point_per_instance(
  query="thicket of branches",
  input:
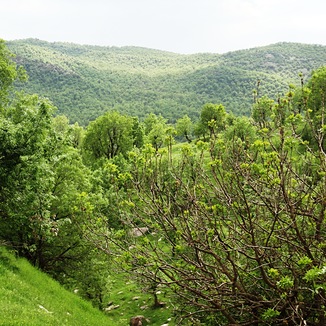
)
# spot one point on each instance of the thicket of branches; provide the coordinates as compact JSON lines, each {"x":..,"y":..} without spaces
{"x":237,"y":224}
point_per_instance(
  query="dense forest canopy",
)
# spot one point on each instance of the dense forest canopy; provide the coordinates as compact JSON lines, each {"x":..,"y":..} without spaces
{"x":225,"y":214}
{"x":86,"y":81}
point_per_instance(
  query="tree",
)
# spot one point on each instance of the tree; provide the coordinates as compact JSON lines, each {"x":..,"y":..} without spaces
{"x":239,"y":240}
{"x":262,"y":111}
{"x":8,"y":73}
{"x":314,"y":101}
{"x":157,"y":131}
{"x":25,"y":128}
{"x":151,"y":120}
{"x":43,"y":187}
{"x":184,"y":127}
{"x":157,"y":135}
{"x":137,"y":133}
{"x":109,"y":135}
{"x":243,"y":129}
{"x":212,"y":118}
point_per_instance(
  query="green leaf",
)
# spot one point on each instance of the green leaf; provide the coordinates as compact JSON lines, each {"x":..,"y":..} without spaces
{"x":270,"y":314}
{"x":285,"y":283}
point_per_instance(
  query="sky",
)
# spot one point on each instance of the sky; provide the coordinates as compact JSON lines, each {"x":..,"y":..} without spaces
{"x":180,"y":26}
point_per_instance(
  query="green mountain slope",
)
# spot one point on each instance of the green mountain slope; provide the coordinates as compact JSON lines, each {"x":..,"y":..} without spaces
{"x":29,"y":297}
{"x":85,"y":81}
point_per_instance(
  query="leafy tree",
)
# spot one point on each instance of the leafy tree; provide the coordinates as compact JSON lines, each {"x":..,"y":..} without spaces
{"x":317,"y":86}
{"x":151,"y":120}
{"x":184,"y":127}
{"x":262,"y":111}
{"x":76,"y":135}
{"x":241,"y":128}
{"x":109,"y":135}
{"x":43,"y":186}
{"x":212,"y":118}
{"x":314,"y":101}
{"x":25,"y":129}
{"x":25,"y":126}
{"x":238,"y":232}
{"x":61,"y":125}
{"x":157,"y":135}
{"x":137,"y":133}
{"x":8,"y":72}
{"x":157,"y":131}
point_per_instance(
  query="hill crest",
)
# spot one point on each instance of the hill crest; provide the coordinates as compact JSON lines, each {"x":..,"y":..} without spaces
{"x":84,"y":81}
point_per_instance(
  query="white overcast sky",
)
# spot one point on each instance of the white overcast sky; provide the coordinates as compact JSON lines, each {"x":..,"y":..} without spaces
{"x":181,"y":26}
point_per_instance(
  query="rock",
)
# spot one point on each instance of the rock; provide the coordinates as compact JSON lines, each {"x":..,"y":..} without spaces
{"x":137,"y":232}
{"x":136,"y":321}
{"x":144,"y":307}
{"x":44,"y":309}
{"x":112,"y":307}
{"x":160,"y":304}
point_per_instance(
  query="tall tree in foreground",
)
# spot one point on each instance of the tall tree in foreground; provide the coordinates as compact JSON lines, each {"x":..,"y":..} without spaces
{"x":45,"y":188}
{"x":237,"y":229}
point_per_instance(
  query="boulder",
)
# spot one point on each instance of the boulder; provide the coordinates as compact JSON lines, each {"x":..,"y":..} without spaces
{"x":136,"y":321}
{"x":137,"y":232}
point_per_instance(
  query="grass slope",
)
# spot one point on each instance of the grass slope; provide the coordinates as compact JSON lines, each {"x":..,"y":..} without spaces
{"x":30,"y":297}
{"x":85,"y":81}
{"x":129,"y":301}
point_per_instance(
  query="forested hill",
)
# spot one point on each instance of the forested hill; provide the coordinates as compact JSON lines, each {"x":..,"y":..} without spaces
{"x":85,"y":81}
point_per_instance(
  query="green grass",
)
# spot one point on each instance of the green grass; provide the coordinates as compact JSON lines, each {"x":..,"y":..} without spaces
{"x":30,"y":297}
{"x":132,"y":302}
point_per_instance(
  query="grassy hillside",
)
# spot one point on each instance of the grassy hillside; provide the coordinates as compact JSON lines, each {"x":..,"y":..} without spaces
{"x":85,"y":81}
{"x":29,"y":297}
